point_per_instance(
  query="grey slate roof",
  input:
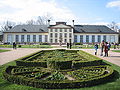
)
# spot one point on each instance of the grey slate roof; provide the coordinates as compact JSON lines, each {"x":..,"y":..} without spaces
{"x":93,"y":29}
{"x":77,"y":29}
{"x":29,"y":28}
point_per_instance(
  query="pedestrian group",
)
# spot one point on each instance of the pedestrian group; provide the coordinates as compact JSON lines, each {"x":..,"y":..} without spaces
{"x":105,"y":47}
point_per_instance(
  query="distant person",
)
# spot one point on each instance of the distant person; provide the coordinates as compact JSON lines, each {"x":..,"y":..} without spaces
{"x":106,"y":49}
{"x":102,"y":47}
{"x":14,"y":45}
{"x":96,"y":47}
{"x":67,"y":45}
{"x":70,"y":45}
{"x":109,"y":46}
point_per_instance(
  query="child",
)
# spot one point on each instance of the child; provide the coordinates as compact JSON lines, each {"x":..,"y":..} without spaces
{"x":96,"y":47}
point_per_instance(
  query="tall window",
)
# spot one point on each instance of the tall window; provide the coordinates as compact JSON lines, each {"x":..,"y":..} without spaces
{"x":51,"y":35}
{"x":55,"y":30}
{"x":56,"y":35}
{"x":46,"y":38}
{"x":60,"y":30}
{"x":9,"y":38}
{"x":40,"y":38}
{"x":17,"y":38}
{"x":87,"y":38}
{"x":81,"y":38}
{"x":28,"y":38}
{"x":51,"y":30}
{"x":93,"y":38}
{"x":65,"y":30}
{"x":99,"y":38}
{"x":55,"y":40}
{"x":60,"y":34}
{"x":75,"y":38}
{"x":70,"y":30}
{"x":65,"y":35}
{"x":70,"y":34}
{"x":104,"y":37}
{"x":34,"y":38}
{"x":22,"y":38}
{"x":51,"y":40}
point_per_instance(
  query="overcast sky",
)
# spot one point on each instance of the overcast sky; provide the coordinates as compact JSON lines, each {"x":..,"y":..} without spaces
{"x":99,"y":12}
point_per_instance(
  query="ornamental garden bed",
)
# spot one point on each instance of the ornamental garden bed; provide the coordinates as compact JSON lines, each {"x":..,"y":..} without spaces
{"x":59,"y":68}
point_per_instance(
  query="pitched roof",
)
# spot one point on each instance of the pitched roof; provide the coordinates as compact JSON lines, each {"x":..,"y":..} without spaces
{"x":29,"y":28}
{"x":93,"y":29}
{"x":77,"y":29}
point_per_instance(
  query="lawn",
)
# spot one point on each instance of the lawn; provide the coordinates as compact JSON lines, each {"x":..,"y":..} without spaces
{"x":27,"y":46}
{"x":116,"y":51}
{"x":113,"y":85}
{"x":2,"y":50}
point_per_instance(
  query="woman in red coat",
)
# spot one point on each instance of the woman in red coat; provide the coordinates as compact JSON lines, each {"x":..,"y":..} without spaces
{"x":106,"y":49}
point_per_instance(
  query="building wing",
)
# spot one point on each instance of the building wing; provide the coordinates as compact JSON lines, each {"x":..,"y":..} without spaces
{"x":29,"y":28}
{"x":93,"y":29}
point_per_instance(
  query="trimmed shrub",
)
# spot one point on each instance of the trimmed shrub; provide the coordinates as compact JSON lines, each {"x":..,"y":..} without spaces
{"x":64,"y":83}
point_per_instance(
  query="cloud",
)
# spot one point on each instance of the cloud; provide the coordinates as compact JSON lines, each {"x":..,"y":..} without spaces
{"x":114,"y":4}
{"x":23,"y":10}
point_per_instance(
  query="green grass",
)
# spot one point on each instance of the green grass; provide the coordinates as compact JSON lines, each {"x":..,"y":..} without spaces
{"x":116,"y":51}
{"x":2,"y":50}
{"x":27,"y":46}
{"x":113,"y":85}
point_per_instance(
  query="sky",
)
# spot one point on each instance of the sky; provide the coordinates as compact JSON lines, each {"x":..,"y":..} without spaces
{"x":96,"y":12}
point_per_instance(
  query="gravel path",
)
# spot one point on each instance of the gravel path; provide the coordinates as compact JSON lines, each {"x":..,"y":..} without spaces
{"x":12,"y":55}
{"x":113,"y":57}
{"x":6,"y":57}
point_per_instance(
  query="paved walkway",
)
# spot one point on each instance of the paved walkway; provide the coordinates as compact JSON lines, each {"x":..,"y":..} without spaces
{"x":12,"y":55}
{"x":113,"y":57}
{"x":20,"y":52}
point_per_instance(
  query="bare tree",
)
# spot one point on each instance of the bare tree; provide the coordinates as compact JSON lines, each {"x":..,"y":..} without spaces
{"x":7,"y":25}
{"x":40,"y":21}
{"x":113,"y":26}
{"x":30,"y":22}
{"x":43,"y":20}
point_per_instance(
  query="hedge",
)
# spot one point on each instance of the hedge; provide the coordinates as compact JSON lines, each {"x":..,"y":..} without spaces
{"x":25,"y":63}
{"x":78,"y":58}
{"x":79,"y":64}
{"x":56,"y":83}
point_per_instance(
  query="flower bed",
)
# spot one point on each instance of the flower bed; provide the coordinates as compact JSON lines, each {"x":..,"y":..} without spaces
{"x":86,"y":76}
{"x":52,"y":69}
{"x":59,"y":59}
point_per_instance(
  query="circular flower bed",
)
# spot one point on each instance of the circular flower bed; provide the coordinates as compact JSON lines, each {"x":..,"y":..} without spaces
{"x":58,"y":69}
{"x":48,"y":78}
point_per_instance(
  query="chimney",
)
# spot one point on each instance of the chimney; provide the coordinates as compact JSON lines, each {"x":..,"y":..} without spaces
{"x":73,"y":22}
{"x":48,"y":23}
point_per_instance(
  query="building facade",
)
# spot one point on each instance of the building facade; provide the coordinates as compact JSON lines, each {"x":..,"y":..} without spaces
{"x":60,"y":33}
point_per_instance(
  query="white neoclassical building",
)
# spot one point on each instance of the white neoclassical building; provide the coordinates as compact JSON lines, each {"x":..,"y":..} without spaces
{"x":60,"y":33}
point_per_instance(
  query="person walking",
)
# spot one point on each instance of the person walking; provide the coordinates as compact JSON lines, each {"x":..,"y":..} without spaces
{"x":106,"y":49}
{"x":96,"y":47}
{"x":67,"y":45}
{"x":109,"y":46}
{"x":14,"y":45}
{"x":102,"y":47}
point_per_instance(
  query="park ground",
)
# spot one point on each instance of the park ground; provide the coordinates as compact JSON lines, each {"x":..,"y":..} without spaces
{"x":8,"y":57}
{"x":13,"y":54}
